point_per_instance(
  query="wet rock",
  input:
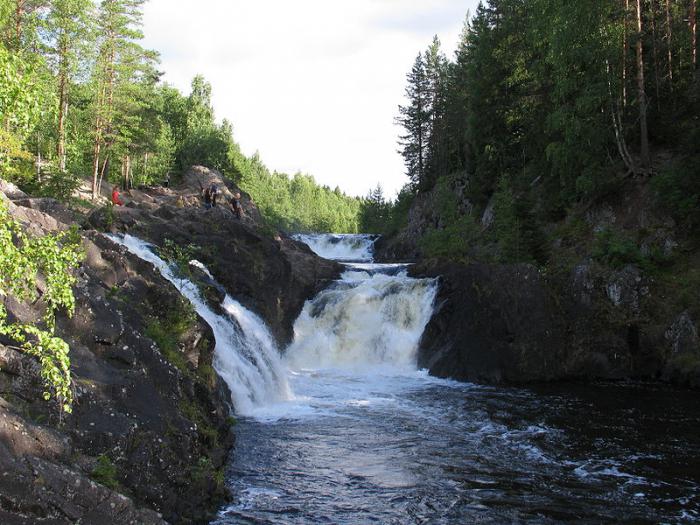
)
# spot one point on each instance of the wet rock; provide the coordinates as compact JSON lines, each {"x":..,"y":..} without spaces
{"x":489,"y":214}
{"x":492,"y":324}
{"x":509,"y":323}
{"x":682,"y":336}
{"x":625,"y":288}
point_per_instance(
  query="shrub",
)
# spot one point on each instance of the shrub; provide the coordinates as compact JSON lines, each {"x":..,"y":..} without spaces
{"x":22,"y":258}
{"x":105,"y":472}
{"x":614,"y":250}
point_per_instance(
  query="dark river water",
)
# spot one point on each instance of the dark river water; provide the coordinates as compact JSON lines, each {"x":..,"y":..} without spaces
{"x":404,"y":449}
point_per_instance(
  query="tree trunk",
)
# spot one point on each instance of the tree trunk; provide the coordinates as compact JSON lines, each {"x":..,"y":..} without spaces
{"x":107,"y":90}
{"x":62,"y":107}
{"x":624,"y":53}
{"x":126,"y":168}
{"x":105,"y":168}
{"x":669,"y":37}
{"x":19,"y":15}
{"x":642,"y":95}
{"x":38,"y":158}
{"x":655,"y":54}
{"x":693,"y":23}
{"x":618,"y":128}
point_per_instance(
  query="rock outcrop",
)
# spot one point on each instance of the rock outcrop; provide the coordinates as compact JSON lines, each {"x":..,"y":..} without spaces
{"x":268,"y":272}
{"x":512,"y":323}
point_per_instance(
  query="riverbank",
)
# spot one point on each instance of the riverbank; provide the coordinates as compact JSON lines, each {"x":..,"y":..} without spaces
{"x":615,"y":295}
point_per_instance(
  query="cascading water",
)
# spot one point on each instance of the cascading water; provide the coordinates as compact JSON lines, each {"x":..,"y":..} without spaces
{"x":340,"y":247}
{"x":367,"y":320}
{"x":245,"y":355}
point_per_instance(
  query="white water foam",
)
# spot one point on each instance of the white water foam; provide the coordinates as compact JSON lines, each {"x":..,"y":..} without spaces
{"x":245,"y":355}
{"x":364,"y":322}
{"x":340,"y":247}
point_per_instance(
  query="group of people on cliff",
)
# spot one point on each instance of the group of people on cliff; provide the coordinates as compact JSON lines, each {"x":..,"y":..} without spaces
{"x":211,"y":194}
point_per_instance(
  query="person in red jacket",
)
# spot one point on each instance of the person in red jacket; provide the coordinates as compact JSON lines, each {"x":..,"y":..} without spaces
{"x":115,"y":196}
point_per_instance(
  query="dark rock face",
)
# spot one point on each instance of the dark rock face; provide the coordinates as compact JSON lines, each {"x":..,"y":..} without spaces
{"x":492,"y":324}
{"x":157,"y":421}
{"x":509,"y":323}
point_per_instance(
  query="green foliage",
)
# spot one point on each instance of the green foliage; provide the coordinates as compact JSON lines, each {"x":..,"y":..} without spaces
{"x":615,"y":250}
{"x":455,"y":238}
{"x":452,"y":242}
{"x":375,"y":211}
{"x":297,"y":203}
{"x":178,"y":255}
{"x":678,"y":190}
{"x":105,"y":472}
{"x":544,"y":94}
{"x":22,"y":259}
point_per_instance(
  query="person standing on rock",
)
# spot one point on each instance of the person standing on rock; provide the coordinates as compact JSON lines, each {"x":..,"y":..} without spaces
{"x":115,"y":196}
{"x":236,"y":205}
{"x":213,"y":193}
{"x":207,"y":198}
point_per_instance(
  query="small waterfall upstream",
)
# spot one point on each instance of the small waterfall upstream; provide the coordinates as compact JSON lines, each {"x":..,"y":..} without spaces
{"x":340,"y":247}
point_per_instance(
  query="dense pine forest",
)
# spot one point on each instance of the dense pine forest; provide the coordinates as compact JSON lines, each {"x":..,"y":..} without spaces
{"x":548,"y":105}
{"x":81,"y":99}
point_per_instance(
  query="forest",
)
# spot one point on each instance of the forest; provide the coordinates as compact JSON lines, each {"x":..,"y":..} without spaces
{"x":548,"y":105}
{"x":82,"y":99}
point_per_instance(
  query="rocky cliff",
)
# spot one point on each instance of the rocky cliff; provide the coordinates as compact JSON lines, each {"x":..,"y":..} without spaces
{"x":151,"y":424}
{"x":617,"y":298}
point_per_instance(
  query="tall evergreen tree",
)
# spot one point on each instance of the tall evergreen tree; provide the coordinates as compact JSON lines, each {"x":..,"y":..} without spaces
{"x":70,"y":24}
{"x":415,"y":119}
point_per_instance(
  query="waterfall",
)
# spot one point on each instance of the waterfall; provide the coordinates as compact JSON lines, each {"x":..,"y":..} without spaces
{"x":340,"y":247}
{"x":372,"y":318}
{"x":245,"y":355}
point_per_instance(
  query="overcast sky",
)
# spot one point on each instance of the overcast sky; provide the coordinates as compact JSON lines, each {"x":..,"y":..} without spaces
{"x":313,"y":85}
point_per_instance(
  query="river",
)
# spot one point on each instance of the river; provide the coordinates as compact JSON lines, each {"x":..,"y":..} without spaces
{"x":341,"y":427}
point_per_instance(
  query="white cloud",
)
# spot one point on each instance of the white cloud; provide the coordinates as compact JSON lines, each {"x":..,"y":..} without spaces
{"x":314,"y":85}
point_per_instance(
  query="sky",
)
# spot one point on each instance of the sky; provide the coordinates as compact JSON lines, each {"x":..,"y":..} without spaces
{"x":312,"y":85}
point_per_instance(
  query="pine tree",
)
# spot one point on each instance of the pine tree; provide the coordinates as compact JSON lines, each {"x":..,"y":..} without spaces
{"x":119,"y":24}
{"x":414,"y":118}
{"x":436,"y":75}
{"x":70,"y":26}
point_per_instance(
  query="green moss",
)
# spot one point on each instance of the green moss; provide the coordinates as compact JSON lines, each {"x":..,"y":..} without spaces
{"x":207,"y":433}
{"x":105,"y":472}
{"x":167,"y":331}
{"x":207,"y":374}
